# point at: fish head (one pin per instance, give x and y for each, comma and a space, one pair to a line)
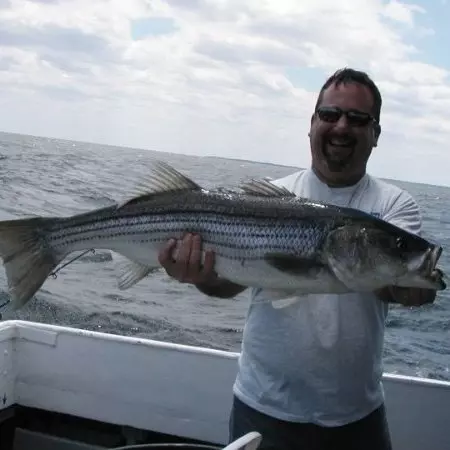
375, 254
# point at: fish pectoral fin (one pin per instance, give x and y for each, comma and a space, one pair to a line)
278, 298
294, 265
285, 302
347, 276
162, 178
264, 188
130, 272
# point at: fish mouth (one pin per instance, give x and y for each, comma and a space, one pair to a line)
425, 267
430, 261
425, 263
435, 274
434, 258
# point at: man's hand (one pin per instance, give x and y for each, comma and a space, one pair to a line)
410, 296
406, 296
187, 267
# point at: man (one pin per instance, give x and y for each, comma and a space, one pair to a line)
310, 374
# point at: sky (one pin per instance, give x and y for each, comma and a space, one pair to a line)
229, 78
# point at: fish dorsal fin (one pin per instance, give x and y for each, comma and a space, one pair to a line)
265, 188
162, 178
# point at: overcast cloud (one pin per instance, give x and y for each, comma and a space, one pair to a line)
229, 78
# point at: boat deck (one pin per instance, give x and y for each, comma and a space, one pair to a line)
88, 390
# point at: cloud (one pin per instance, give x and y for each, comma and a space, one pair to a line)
64, 93
45, 1
402, 12
54, 38
222, 77
6, 63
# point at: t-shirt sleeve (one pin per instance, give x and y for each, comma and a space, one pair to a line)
288, 182
405, 213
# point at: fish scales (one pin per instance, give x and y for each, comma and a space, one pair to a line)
234, 236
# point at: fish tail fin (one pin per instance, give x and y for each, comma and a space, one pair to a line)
27, 257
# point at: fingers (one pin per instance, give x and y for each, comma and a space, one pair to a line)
165, 255
183, 262
208, 266
195, 257
187, 266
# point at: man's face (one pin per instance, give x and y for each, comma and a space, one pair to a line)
341, 145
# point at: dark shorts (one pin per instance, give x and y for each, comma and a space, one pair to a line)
369, 433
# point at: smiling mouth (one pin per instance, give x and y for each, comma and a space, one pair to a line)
335, 149
340, 142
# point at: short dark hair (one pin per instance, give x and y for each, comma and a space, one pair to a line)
348, 75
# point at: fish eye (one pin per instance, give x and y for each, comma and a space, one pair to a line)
400, 243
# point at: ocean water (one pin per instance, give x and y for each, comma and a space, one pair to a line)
51, 176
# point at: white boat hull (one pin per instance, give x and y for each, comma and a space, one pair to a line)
170, 388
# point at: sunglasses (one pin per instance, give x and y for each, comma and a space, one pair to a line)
332, 114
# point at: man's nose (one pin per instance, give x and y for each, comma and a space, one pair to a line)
342, 123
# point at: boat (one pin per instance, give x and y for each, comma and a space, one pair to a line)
64, 388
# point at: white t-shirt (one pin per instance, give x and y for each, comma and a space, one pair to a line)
319, 360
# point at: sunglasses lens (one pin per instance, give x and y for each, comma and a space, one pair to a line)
332, 114
329, 114
358, 118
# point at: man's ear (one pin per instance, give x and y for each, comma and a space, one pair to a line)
312, 121
376, 130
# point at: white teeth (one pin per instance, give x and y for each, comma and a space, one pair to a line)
339, 142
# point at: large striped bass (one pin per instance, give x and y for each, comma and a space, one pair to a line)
263, 237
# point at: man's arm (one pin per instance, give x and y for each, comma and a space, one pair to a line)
405, 214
